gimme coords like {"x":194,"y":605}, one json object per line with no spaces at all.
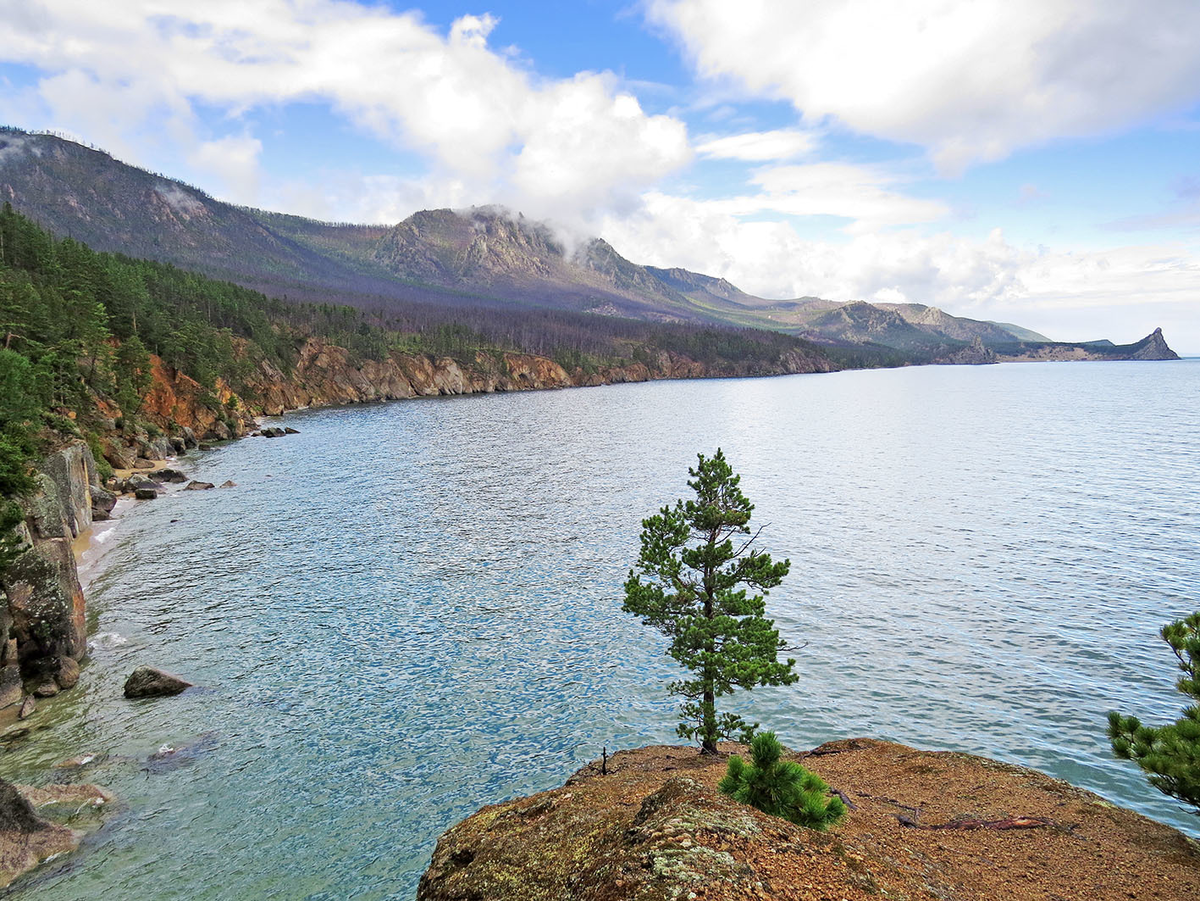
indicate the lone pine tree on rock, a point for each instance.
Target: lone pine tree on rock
{"x":1170,"y":754}
{"x":691,"y":583}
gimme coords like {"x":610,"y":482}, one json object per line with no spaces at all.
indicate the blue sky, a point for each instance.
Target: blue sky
{"x":1036,"y":162}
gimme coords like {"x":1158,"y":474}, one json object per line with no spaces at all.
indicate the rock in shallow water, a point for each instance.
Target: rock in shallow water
{"x":148,"y":682}
{"x":68,"y":673}
{"x":198,"y":486}
{"x":25,"y":838}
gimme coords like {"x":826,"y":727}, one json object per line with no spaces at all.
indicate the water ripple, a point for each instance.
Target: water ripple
{"x":409,"y":611}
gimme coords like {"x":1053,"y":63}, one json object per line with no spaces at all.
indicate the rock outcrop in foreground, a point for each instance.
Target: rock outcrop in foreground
{"x":924,"y":825}
{"x":26,"y":839}
{"x":43,"y":632}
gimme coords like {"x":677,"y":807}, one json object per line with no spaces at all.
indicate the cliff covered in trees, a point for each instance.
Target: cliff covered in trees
{"x":139,"y":359}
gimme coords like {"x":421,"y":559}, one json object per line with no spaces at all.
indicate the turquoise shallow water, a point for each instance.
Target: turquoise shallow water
{"x":411,"y":610}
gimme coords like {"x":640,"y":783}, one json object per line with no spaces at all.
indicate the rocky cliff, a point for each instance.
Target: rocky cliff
{"x":325,"y":374}
{"x":43,"y":633}
{"x":921,"y":825}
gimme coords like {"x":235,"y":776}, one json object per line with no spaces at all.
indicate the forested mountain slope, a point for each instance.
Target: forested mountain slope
{"x":484,"y":257}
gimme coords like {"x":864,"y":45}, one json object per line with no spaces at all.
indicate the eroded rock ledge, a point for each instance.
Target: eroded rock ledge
{"x":925,"y":825}
{"x":43,"y":632}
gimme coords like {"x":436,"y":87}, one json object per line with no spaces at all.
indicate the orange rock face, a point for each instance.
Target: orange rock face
{"x":327,"y":374}
{"x":176,"y":400}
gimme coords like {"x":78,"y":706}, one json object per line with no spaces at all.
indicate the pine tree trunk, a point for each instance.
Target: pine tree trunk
{"x":708,"y":743}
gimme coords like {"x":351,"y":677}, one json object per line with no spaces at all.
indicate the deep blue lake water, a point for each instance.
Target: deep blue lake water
{"x":411,"y":610}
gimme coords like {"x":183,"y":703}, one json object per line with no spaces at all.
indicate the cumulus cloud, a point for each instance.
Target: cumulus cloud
{"x":476,"y":114}
{"x":968,"y":81}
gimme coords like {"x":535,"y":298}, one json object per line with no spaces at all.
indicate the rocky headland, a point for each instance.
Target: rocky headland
{"x":922,"y":825}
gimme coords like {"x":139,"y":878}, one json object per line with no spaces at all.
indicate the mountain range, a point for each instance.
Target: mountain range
{"x":483,"y":256}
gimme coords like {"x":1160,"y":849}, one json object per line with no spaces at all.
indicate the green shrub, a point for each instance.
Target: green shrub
{"x":103,"y":467}
{"x":1170,"y":754}
{"x":781,"y":788}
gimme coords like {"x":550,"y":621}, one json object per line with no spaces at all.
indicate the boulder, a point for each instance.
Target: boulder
{"x":143,"y":463}
{"x":103,"y":502}
{"x":145,"y":494}
{"x":117,"y":454}
{"x":229,"y":483}
{"x":47,"y":689}
{"x":171,"y":475}
{"x":73,"y":471}
{"x":11,"y":690}
{"x":28,"y":706}
{"x":68,"y":673}
{"x":178,"y":445}
{"x":147,"y":682}
{"x":198,"y":486}
{"x":189,"y":437}
{"x":47,"y":609}
{"x":290,"y":431}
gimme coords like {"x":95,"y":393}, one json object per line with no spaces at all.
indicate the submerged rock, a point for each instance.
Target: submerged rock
{"x":229,"y":483}
{"x":170,"y":757}
{"x":25,"y":838}
{"x":148,"y":682}
{"x":198,"y":486}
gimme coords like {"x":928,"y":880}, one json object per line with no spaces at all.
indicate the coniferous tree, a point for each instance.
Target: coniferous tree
{"x":691,"y":584}
{"x":781,"y":788}
{"x":1170,"y":754}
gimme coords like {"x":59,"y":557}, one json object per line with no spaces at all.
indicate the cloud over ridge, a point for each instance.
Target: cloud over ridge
{"x":971,"y":82}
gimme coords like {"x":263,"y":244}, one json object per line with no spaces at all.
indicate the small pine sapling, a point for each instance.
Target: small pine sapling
{"x":1169,"y":755}
{"x":781,"y":788}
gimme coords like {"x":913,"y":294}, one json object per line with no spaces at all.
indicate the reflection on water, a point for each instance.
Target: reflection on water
{"x":411,"y":610}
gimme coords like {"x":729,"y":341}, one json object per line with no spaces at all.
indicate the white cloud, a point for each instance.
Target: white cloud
{"x":968,"y":81}
{"x":120,"y":71}
{"x":234,"y":161}
{"x":867,"y":196}
{"x":862,"y":194}
{"x":759,"y":146}
{"x":1122,"y":293}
